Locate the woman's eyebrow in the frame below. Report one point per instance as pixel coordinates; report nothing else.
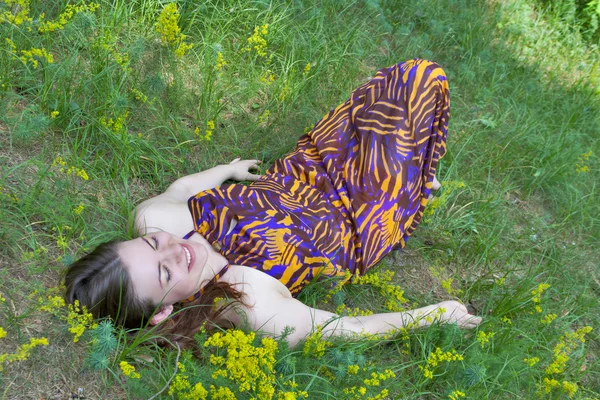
(159, 280)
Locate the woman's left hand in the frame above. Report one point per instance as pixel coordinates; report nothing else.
(240, 169)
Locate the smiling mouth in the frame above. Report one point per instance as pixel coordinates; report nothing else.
(190, 256)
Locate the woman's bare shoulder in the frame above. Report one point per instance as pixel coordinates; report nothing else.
(169, 216)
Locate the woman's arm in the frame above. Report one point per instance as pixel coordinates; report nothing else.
(168, 211)
(273, 316)
(184, 188)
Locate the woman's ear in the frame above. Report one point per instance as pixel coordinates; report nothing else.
(164, 312)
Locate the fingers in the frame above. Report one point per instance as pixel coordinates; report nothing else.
(236, 160)
(253, 177)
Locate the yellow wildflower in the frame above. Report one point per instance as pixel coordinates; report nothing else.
(220, 62)
(455, 395)
(581, 166)
(54, 114)
(393, 295)
(129, 370)
(170, 33)
(79, 209)
(484, 338)
(531, 361)
(507, 320)
(565, 346)
(257, 40)
(315, 344)
(548, 319)
(139, 96)
(221, 393)
(2, 333)
(79, 319)
(67, 15)
(2, 299)
(264, 117)
(35, 55)
(362, 390)
(21, 16)
(252, 367)
(447, 188)
(437, 357)
(23, 352)
(267, 77)
(569, 388)
(353, 369)
(306, 69)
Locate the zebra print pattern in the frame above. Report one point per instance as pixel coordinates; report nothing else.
(354, 188)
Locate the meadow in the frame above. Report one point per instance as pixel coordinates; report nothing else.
(104, 104)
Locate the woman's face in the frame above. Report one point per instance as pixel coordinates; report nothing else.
(168, 269)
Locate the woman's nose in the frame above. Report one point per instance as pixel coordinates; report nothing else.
(174, 252)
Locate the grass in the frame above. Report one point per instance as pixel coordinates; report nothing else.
(524, 110)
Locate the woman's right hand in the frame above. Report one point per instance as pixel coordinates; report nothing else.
(457, 313)
(240, 169)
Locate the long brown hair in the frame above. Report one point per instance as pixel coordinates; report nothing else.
(100, 282)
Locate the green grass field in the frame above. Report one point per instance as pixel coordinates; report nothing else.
(104, 105)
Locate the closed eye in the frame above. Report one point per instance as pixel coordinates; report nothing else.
(168, 274)
(155, 242)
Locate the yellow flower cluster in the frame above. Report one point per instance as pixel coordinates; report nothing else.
(565, 346)
(285, 92)
(170, 33)
(531, 361)
(210, 127)
(116, 125)
(139, 96)
(437, 357)
(393, 295)
(377, 378)
(353, 369)
(21, 16)
(257, 40)
(221, 393)
(183, 389)
(249, 366)
(2, 333)
(315, 344)
(2, 299)
(352, 312)
(547, 320)
(267, 77)
(448, 188)
(221, 63)
(339, 285)
(129, 370)
(34, 55)
(79, 209)
(69, 170)
(23, 352)
(455, 395)
(79, 319)
(484, 338)
(581, 166)
(548, 385)
(537, 296)
(67, 15)
(447, 285)
(54, 114)
(306, 69)
(264, 117)
(362, 391)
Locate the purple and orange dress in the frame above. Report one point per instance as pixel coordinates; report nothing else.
(353, 190)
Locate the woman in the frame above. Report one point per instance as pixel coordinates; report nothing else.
(353, 190)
